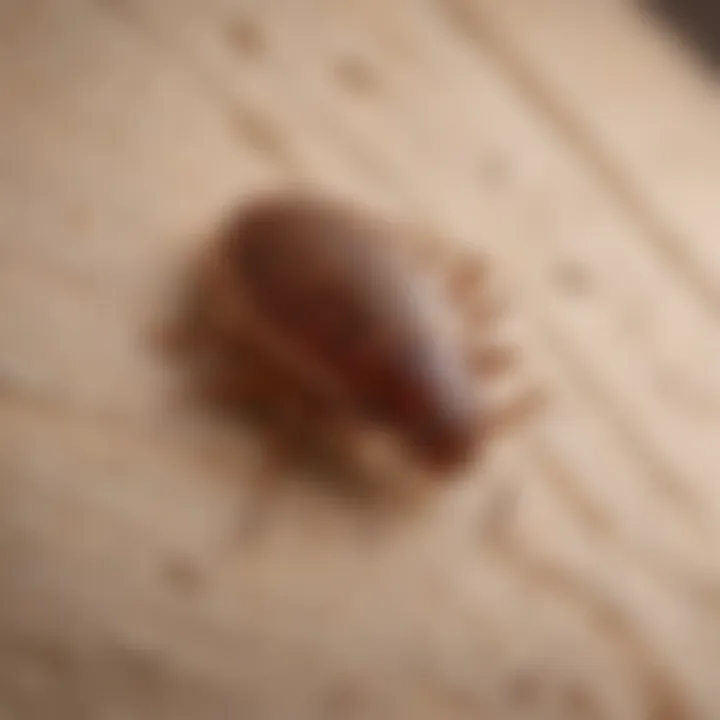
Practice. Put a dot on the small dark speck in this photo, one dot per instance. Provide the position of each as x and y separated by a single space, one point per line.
525 689
580 702
356 75
343 698
572 278
183 575
245 36
261 135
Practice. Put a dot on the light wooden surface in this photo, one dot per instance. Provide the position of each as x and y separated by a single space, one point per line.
570 140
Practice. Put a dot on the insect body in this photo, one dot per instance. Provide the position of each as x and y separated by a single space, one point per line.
323 292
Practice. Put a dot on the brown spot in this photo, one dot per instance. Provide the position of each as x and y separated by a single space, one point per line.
516 411
580 702
493 359
245 36
182 575
466 278
573 278
47 659
356 75
487 311
344 698
525 689
79 220
261 136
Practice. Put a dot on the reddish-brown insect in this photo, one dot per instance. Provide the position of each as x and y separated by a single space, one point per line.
326 303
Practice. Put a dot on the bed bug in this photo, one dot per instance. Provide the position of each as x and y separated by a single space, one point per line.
325 301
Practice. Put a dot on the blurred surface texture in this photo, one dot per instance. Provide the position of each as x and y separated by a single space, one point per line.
577 144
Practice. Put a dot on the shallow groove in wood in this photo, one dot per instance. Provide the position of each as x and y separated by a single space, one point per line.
470 22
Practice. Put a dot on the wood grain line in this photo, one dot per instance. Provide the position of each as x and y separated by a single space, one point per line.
665 699
470 23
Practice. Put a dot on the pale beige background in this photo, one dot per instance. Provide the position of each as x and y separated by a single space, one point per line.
577 145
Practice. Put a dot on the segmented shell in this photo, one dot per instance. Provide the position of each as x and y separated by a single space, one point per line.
322 287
